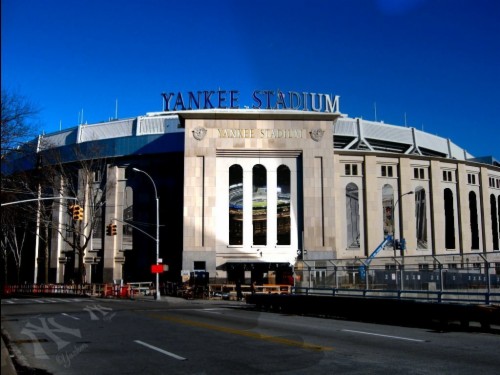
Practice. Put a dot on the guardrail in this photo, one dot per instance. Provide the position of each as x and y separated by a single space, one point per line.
229 291
441 316
422 295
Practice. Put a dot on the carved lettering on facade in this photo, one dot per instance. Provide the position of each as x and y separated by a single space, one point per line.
260 133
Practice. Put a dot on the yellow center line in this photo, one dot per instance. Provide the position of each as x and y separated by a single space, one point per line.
239 332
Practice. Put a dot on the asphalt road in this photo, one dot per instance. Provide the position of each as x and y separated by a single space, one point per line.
175 336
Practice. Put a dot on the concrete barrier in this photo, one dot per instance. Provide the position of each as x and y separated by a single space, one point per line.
390 311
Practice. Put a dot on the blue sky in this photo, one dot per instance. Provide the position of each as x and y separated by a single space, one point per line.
435 62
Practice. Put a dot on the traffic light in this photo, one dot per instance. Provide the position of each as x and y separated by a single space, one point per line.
77 212
111 230
402 245
71 209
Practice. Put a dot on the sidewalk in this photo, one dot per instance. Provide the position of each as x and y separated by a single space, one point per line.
7 365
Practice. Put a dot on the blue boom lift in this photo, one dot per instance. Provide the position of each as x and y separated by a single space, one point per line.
362 268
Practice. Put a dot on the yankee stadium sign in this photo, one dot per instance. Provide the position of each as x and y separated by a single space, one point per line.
262 99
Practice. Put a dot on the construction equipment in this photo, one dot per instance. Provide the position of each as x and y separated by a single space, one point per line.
362 268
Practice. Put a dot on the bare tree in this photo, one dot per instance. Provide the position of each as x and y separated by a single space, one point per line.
84 178
52 174
16 126
12 242
27 217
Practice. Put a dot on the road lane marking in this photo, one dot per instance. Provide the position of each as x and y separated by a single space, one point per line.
380 335
72 317
212 311
160 350
253 335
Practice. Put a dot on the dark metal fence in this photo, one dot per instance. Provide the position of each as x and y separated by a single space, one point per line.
474 278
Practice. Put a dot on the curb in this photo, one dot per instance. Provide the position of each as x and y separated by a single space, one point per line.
7 364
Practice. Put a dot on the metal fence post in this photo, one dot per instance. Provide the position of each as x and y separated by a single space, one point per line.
488 280
441 283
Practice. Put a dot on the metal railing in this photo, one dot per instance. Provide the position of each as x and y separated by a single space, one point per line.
472 278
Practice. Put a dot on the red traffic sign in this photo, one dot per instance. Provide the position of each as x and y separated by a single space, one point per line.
157 268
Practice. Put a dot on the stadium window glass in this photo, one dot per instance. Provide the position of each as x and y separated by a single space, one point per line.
259 204
283 205
449 219
352 215
387 209
128 216
235 205
494 221
354 169
498 210
421 217
348 169
474 227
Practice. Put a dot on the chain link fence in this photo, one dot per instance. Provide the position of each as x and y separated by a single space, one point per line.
465 278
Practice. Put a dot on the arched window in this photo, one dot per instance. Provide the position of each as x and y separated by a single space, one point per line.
96 247
387 209
352 215
421 217
494 221
97 232
259 204
283 205
474 227
449 216
128 215
235 205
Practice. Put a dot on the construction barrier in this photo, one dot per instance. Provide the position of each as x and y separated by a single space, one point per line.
96 290
49 289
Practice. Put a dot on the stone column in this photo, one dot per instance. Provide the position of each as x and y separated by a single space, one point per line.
372 199
113 257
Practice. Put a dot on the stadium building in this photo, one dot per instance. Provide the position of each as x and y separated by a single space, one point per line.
250 193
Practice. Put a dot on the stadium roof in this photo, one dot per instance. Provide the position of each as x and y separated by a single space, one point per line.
161 132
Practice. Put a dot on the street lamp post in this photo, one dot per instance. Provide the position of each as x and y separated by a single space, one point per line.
394 221
157 231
